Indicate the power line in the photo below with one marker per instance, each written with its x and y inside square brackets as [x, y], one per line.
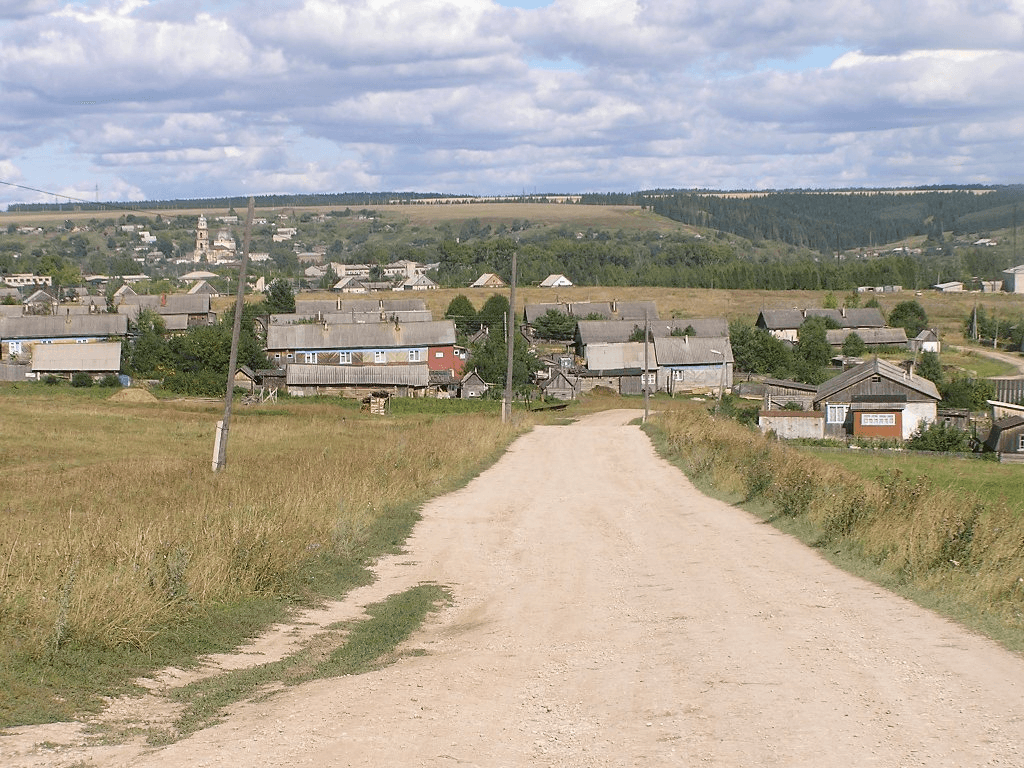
[69, 198]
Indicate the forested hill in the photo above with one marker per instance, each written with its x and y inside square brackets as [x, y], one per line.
[835, 221]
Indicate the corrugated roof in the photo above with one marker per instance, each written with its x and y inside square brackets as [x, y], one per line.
[882, 368]
[98, 357]
[62, 326]
[358, 375]
[868, 336]
[361, 335]
[615, 356]
[171, 303]
[691, 350]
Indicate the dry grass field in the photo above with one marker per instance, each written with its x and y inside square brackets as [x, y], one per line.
[116, 535]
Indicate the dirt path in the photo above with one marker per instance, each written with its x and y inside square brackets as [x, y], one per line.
[994, 354]
[607, 614]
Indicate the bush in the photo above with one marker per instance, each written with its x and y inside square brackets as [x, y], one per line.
[81, 379]
[51, 379]
[941, 437]
[110, 380]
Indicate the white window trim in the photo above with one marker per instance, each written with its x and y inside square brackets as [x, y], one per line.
[310, 358]
[1020, 442]
[414, 356]
[833, 411]
[878, 419]
[344, 358]
[380, 356]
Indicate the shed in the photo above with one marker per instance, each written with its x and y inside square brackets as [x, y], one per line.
[1007, 439]
[97, 359]
[472, 385]
[792, 424]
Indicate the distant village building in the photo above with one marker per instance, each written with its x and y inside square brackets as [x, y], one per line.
[556, 281]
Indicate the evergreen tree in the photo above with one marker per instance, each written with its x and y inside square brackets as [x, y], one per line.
[910, 316]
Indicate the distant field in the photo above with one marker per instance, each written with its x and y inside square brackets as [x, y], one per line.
[610, 217]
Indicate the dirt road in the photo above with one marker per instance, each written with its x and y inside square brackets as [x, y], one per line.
[607, 614]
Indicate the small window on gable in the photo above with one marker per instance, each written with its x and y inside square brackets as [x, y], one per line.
[876, 378]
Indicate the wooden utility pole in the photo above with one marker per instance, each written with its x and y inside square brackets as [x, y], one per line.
[643, 377]
[506, 406]
[220, 445]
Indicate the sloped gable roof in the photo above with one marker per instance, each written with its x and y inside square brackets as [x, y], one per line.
[62, 326]
[692, 350]
[361, 335]
[883, 368]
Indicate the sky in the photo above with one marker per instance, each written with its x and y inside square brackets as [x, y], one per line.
[125, 100]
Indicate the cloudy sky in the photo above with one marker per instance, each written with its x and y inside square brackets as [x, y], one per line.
[157, 99]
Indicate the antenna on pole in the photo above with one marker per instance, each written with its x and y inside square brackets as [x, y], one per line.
[220, 445]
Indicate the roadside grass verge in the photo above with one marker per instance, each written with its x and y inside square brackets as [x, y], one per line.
[343, 650]
[122, 553]
[948, 549]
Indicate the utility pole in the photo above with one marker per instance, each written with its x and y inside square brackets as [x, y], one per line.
[506, 406]
[643, 378]
[220, 445]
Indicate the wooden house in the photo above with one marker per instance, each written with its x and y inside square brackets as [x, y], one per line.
[876, 399]
[779, 393]
[784, 324]
[473, 386]
[693, 363]
[431, 344]
[561, 385]
[1007, 438]
[926, 341]
[179, 311]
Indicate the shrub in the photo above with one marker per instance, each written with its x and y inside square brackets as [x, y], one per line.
[51, 379]
[81, 379]
[110, 380]
[941, 437]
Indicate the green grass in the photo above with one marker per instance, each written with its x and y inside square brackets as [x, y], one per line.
[363, 646]
[976, 365]
[974, 480]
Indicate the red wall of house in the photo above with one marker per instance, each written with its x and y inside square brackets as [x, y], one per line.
[444, 359]
[867, 430]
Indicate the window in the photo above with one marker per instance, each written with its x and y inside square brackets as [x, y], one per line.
[415, 356]
[380, 356]
[344, 358]
[310, 357]
[439, 354]
[878, 419]
[836, 414]
[14, 347]
[678, 374]
[1020, 442]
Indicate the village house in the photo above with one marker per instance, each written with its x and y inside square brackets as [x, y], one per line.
[1006, 437]
[430, 344]
[693, 363]
[784, 324]
[555, 281]
[1013, 279]
[872, 337]
[488, 280]
[877, 399]
[19, 336]
[306, 380]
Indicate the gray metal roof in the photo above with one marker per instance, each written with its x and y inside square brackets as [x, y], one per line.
[615, 356]
[894, 336]
[169, 304]
[99, 357]
[791, 319]
[879, 367]
[368, 375]
[62, 326]
[361, 335]
[692, 350]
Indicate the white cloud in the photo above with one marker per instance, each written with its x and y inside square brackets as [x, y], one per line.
[198, 97]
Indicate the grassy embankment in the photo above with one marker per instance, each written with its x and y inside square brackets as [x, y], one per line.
[121, 552]
[944, 533]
